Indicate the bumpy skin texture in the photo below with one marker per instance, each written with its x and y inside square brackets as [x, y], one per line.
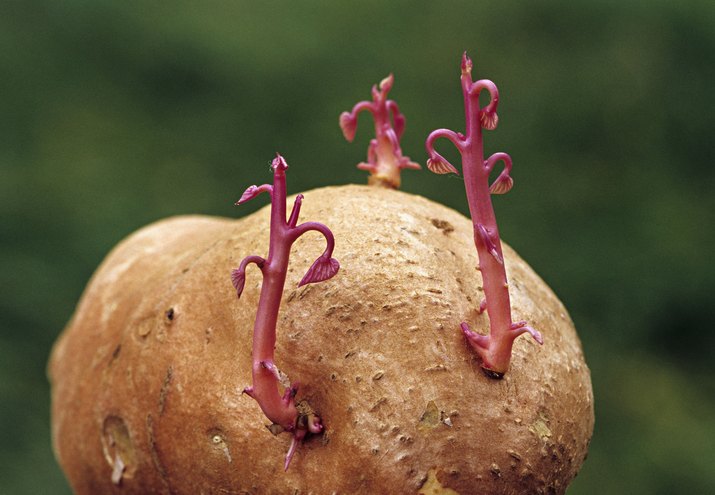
[151, 367]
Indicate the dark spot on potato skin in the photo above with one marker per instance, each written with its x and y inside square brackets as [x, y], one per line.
[165, 389]
[442, 225]
[494, 375]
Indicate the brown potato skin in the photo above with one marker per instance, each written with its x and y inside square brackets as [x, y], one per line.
[153, 362]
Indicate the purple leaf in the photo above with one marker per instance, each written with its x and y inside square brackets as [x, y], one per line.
[323, 268]
[251, 193]
[489, 120]
[502, 185]
[370, 167]
[405, 162]
[348, 124]
[248, 194]
[238, 278]
[521, 327]
[439, 165]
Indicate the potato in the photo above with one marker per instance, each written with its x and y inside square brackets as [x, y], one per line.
[147, 377]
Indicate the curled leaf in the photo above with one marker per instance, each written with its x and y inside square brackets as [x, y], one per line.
[248, 194]
[322, 269]
[238, 278]
[439, 165]
[348, 124]
[238, 275]
[502, 185]
[489, 120]
[254, 191]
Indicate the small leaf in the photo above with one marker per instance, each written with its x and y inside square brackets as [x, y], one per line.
[405, 162]
[348, 124]
[323, 268]
[439, 165]
[489, 120]
[249, 194]
[238, 277]
[521, 327]
[386, 84]
[370, 167]
[502, 185]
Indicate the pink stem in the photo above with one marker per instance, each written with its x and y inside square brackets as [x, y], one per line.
[319, 227]
[280, 409]
[495, 348]
[265, 387]
[385, 159]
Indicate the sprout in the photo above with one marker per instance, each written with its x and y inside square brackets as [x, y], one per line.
[282, 410]
[384, 155]
[494, 349]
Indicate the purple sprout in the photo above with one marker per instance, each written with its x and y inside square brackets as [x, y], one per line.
[384, 155]
[298, 419]
[495, 348]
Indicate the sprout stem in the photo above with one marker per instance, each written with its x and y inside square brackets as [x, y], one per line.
[280, 409]
[495, 348]
[384, 155]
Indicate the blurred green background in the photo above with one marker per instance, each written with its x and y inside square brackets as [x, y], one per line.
[117, 113]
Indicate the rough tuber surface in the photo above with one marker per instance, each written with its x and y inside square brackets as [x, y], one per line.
[495, 348]
[147, 377]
